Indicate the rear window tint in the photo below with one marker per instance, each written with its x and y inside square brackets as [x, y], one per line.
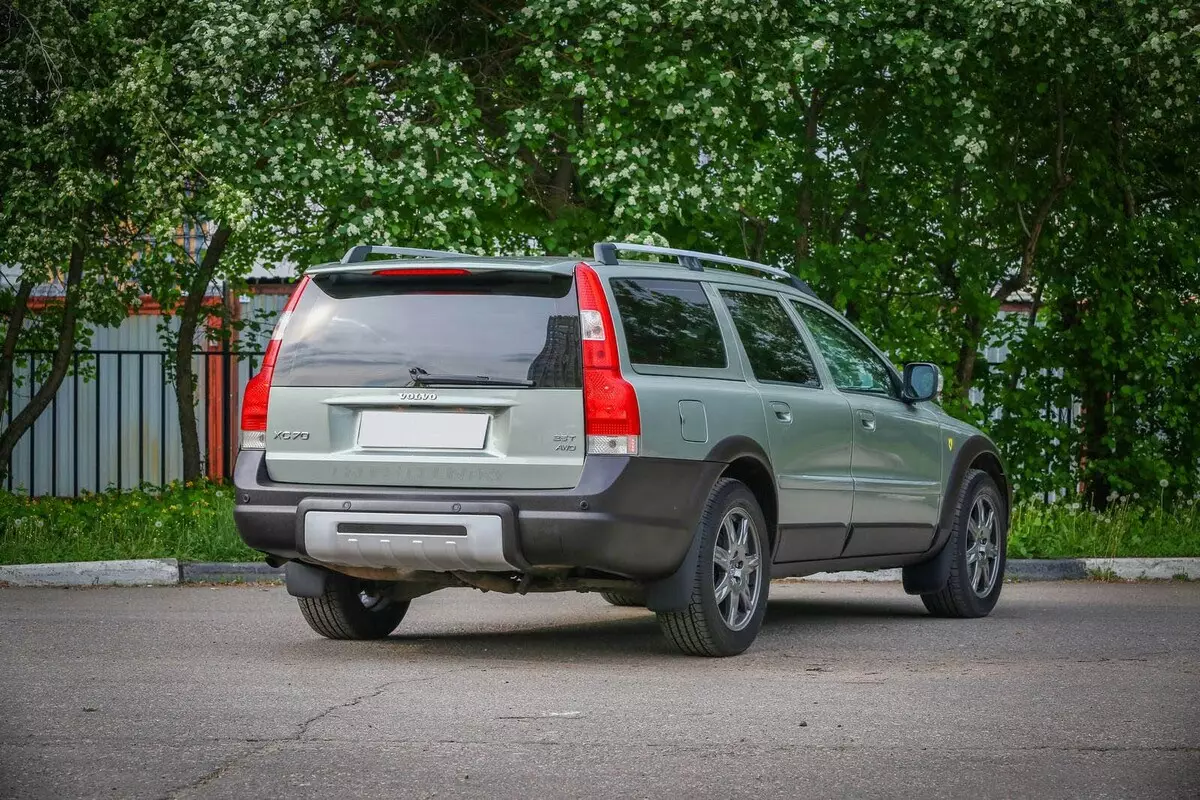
[773, 343]
[669, 323]
[353, 329]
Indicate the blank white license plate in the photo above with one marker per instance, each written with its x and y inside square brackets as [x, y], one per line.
[422, 430]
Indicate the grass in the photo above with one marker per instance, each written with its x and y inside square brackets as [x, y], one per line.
[195, 523]
[1125, 530]
[190, 523]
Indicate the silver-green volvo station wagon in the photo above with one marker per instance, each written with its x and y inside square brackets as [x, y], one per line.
[668, 434]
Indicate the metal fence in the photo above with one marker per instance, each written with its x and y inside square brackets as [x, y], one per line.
[114, 422]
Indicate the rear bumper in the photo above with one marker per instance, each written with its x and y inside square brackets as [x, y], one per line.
[632, 517]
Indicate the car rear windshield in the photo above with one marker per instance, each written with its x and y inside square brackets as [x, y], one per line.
[355, 329]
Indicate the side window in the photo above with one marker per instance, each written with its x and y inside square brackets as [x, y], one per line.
[669, 323]
[775, 348]
[855, 366]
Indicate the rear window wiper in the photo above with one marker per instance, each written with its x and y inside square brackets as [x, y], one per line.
[422, 378]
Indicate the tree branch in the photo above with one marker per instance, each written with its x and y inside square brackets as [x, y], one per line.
[1062, 180]
[21, 422]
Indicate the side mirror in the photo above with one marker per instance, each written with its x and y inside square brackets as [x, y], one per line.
[922, 381]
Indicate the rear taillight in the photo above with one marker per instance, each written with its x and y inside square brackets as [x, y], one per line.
[258, 388]
[610, 409]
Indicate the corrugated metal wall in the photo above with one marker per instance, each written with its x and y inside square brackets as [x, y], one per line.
[114, 424]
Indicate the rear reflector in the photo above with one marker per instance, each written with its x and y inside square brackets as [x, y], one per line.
[611, 420]
[258, 389]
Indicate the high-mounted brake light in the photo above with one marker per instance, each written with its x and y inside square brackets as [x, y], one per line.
[421, 273]
[258, 388]
[611, 421]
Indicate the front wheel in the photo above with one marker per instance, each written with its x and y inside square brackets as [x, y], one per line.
[976, 550]
[353, 608]
[729, 591]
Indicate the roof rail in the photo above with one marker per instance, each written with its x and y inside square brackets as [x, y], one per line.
[363, 251]
[606, 253]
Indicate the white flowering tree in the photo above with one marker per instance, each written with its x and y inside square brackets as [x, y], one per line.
[918, 162]
[68, 223]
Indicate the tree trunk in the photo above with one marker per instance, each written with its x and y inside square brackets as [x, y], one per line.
[185, 377]
[12, 333]
[40, 401]
[804, 202]
[1094, 411]
[968, 354]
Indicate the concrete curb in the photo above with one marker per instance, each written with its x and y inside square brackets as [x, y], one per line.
[1132, 569]
[1048, 569]
[169, 572]
[241, 572]
[140, 572]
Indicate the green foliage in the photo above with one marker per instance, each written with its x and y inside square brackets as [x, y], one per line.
[918, 162]
[192, 523]
[1124, 530]
[65, 164]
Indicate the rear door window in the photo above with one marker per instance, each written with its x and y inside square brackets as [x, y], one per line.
[772, 342]
[356, 329]
[669, 323]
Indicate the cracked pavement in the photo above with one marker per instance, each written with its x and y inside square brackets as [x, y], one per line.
[1068, 690]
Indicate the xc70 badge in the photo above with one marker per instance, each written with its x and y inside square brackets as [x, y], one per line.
[301, 435]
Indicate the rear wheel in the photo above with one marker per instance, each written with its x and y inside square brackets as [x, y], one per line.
[633, 599]
[729, 591]
[353, 608]
[976, 550]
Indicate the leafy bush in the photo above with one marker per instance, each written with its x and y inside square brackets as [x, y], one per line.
[193, 523]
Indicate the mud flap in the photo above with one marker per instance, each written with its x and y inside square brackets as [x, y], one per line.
[304, 580]
[929, 576]
[674, 592]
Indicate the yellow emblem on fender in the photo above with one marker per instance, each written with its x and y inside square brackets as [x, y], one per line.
[950, 442]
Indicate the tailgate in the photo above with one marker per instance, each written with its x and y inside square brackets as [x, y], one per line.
[440, 378]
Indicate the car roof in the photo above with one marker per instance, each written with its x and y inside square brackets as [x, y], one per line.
[565, 264]
[726, 275]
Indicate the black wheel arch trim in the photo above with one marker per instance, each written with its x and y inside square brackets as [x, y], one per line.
[976, 451]
[674, 592]
[736, 448]
[967, 456]
[731, 448]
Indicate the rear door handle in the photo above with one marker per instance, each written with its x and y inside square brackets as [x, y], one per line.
[783, 412]
[867, 418]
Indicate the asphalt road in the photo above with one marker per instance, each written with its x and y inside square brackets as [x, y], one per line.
[1068, 690]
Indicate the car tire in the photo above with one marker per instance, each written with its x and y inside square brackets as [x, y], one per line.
[977, 551]
[732, 535]
[353, 608]
[631, 599]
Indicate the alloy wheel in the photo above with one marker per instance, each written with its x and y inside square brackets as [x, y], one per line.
[983, 547]
[737, 569]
